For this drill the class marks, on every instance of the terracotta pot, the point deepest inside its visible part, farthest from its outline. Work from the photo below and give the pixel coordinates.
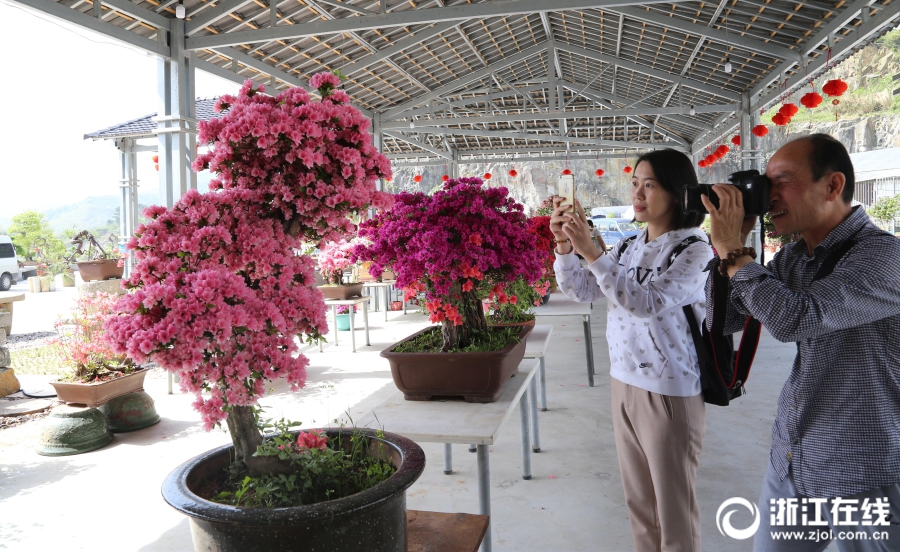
(95, 394)
(104, 269)
(396, 305)
(477, 377)
(364, 275)
(342, 292)
(388, 275)
(374, 519)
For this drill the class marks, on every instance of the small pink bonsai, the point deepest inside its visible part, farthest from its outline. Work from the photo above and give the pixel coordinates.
(460, 243)
(218, 294)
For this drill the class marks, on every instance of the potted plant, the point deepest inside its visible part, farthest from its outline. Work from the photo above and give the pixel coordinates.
(219, 296)
(98, 373)
(334, 258)
(456, 246)
(97, 263)
(342, 317)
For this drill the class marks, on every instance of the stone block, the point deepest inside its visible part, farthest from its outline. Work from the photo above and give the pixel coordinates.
(4, 357)
(2, 337)
(5, 319)
(113, 287)
(9, 384)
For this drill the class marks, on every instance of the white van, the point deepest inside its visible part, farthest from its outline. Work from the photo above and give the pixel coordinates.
(9, 264)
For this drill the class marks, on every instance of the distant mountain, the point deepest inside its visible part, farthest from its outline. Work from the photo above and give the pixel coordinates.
(90, 212)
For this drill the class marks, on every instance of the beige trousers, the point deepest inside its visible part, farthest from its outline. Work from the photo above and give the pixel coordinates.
(658, 442)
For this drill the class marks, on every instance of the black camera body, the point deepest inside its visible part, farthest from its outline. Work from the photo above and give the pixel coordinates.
(754, 187)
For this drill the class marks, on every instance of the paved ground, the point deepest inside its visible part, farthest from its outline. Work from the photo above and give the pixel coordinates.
(109, 500)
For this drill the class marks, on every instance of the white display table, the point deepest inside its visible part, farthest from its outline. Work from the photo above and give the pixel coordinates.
(364, 301)
(386, 286)
(560, 305)
(535, 347)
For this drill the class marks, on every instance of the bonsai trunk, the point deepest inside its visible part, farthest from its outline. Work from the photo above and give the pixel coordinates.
(473, 320)
(246, 437)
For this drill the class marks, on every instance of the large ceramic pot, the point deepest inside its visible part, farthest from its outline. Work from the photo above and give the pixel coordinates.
(342, 292)
(104, 269)
(476, 377)
(95, 394)
(374, 519)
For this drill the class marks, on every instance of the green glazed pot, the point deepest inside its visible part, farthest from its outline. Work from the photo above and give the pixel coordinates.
(130, 412)
(73, 430)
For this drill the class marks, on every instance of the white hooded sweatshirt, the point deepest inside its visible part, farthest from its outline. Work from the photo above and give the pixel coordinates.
(650, 343)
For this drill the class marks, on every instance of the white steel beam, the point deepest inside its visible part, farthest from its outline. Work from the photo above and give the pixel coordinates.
(141, 14)
(398, 47)
(69, 15)
(550, 138)
(397, 111)
(542, 115)
(409, 17)
(728, 39)
(427, 147)
(211, 15)
(347, 6)
(643, 69)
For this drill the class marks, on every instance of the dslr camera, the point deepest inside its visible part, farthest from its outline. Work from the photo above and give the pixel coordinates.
(754, 189)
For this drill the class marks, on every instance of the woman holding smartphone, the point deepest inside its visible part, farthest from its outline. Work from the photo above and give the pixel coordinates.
(659, 415)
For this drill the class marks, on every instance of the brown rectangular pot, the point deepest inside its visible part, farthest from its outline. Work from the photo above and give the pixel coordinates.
(476, 377)
(342, 292)
(95, 394)
(104, 269)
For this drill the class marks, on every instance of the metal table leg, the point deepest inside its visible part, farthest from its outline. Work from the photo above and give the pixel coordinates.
(352, 329)
(170, 382)
(526, 440)
(448, 458)
(535, 432)
(334, 319)
(543, 387)
(387, 301)
(589, 349)
(366, 321)
(484, 493)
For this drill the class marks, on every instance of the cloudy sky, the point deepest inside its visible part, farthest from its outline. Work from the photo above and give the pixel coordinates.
(59, 83)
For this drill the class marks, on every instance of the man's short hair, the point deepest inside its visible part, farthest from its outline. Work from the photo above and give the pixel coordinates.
(826, 155)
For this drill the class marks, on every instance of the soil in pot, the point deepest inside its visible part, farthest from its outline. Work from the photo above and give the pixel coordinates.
(474, 376)
(373, 519)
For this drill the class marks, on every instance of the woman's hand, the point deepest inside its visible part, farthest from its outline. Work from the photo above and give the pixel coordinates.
(577, 230)
(557, 218)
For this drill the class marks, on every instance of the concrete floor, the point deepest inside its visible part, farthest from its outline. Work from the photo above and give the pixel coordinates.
(109, 500)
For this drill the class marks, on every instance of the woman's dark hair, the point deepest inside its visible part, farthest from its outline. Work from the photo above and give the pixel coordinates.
(674, 171)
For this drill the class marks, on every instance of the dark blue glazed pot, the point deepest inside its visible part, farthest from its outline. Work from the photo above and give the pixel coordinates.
(374, 519)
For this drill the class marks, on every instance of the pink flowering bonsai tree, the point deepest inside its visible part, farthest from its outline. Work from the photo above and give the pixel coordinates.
(459, 245)
(218, 294)
(334, 257)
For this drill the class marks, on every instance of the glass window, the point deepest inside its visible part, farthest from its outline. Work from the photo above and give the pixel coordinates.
(628, 227)
(7, 251)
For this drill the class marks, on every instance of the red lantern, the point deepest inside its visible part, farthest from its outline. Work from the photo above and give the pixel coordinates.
(835, 87)
(599, 172)
(711, 159)
(417, 178)
(702, 163)
(513, 173)
(566, 171)
(156, 167)
(760, 130)
(779, 120)
(835, 101)
(487, 176)
(156, 159)
(723, 149)
(627, 169)
(789, 110)
(445, 178)
(736, 139)
(811, 100)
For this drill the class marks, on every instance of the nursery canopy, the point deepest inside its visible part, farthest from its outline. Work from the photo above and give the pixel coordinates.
(451, 80)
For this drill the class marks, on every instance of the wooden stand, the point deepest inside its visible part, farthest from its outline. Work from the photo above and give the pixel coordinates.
(440, 532)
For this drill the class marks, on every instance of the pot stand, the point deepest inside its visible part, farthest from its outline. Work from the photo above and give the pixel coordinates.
(130, 412)
(463, 423)
(72, 430)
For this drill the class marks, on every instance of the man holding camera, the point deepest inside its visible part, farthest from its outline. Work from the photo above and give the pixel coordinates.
(835, 456)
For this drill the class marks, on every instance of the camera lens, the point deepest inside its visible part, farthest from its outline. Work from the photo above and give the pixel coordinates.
(691, 202)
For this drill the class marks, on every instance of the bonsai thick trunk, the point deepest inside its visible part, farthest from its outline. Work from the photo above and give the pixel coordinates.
(246, 437)
(472, 314)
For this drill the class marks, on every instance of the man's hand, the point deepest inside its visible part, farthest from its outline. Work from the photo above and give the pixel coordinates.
(750, 223)
(727, 222)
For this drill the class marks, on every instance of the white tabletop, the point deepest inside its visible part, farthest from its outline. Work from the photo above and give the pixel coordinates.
(351, 301)
(452, 421)
(560, 305)
(537, 341)
(379, 284)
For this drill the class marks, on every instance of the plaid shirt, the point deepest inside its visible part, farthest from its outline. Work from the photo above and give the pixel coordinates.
(838, 420)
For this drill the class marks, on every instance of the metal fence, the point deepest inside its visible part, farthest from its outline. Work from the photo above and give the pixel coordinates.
(867, 192)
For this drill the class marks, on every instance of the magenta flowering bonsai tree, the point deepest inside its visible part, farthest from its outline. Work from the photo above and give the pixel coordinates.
(459, 244)
(218, 294)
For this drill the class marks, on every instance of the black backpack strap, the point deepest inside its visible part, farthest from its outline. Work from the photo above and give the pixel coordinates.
(832, 260)
(623, 245)
(687, 242)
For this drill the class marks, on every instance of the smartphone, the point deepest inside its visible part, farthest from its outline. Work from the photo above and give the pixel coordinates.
(567, 189)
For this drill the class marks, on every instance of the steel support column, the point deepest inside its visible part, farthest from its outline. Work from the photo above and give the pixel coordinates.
(747, 151)
(454, 165)
(176, 119)
(128, 207)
